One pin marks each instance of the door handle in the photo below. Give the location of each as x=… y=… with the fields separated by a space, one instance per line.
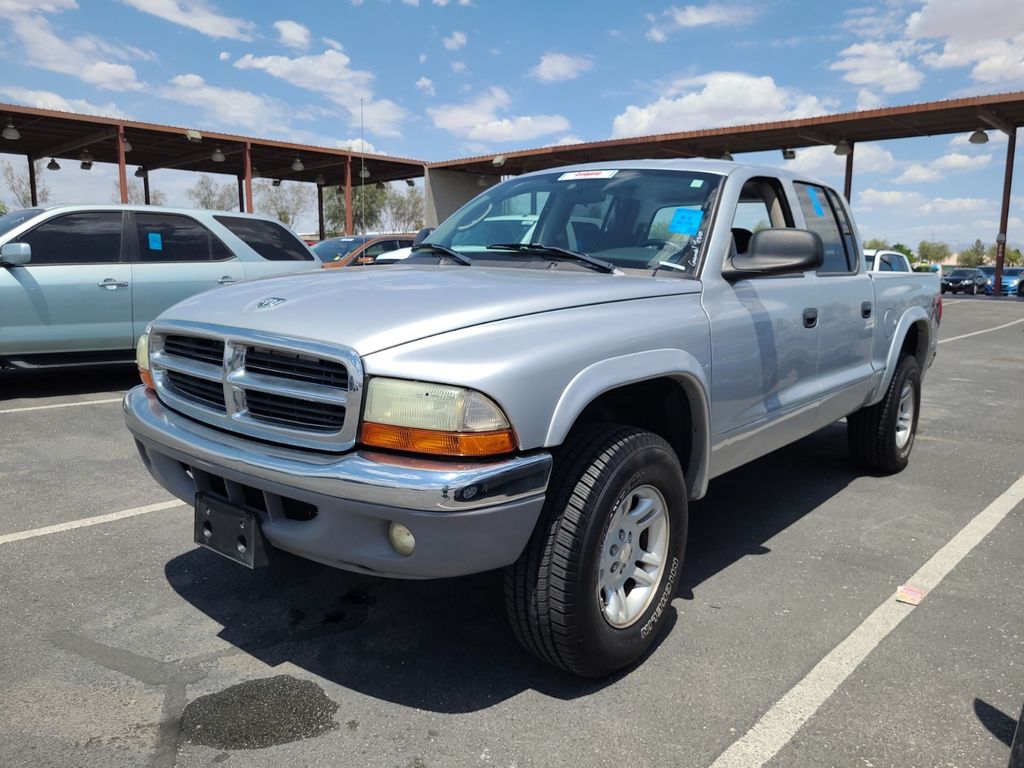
x=810 y=317
x=865 y=310
x=227 y=279
x=111 y=284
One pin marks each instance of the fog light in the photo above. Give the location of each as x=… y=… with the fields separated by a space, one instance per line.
x=401 y=539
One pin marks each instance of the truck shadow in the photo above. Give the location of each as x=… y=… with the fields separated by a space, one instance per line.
x=445 y=645
x=78 y=380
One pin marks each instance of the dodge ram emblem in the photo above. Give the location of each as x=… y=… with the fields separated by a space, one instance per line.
x=270 y=301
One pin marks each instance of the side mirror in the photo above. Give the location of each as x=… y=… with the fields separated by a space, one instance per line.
x=15 y=254
x=421 y=236
x=776 y=252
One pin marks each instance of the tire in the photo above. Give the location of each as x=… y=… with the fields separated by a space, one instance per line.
x=881 y=436
x=572 y=598
x=974 y=290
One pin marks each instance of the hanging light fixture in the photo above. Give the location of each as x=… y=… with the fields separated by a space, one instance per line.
x=297 y=165
x=498 y=160
x=789 y=154
x=10 y=132
x=53 y=165
x=320 y=180
x=256 y=173
x=410 y=183
x=275 y=183
x=364 y=173
x=978 y=137
x=85 y=156
x=127 y=146
x=217 y=156
x=140 y=172
x=86 y=165
x=843 y=148
x=727 y=155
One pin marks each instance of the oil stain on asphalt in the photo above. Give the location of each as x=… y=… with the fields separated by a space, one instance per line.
x=259 y=713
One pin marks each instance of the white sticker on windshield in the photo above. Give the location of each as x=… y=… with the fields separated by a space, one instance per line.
x=573 y=175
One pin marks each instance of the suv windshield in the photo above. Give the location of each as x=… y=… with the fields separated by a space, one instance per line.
x=631 y=219
x=10 y=220
x=962 y=273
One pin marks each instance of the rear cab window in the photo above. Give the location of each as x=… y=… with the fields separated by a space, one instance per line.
x=268 y=238
x=825 y=216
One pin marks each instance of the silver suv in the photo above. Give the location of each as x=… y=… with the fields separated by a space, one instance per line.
x=81 y=282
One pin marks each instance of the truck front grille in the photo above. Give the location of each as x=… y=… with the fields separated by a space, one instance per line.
x=282 y=390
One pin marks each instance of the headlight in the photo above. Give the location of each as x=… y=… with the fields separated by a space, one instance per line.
x=142 y=360
x=436 y=419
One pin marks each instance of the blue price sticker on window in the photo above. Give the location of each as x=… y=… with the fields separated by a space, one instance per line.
x=685 y=221
x=156 y=242
x=815 y=201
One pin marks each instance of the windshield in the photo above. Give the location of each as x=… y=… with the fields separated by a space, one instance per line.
x=1012 y=272
x=962 y=273
x=631 y=219
x=10 y=220
x=337 y=247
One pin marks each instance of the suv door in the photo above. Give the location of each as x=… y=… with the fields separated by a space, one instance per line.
x=174 y=257
x=74 y=295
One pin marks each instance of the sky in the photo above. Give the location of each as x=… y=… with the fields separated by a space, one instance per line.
x=440 y=79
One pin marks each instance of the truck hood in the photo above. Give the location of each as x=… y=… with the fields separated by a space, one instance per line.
x=370 y=309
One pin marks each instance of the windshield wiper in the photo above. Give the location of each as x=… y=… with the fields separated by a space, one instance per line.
x=459 y=257
x=551 y=251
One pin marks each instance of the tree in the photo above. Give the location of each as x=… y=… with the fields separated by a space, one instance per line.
x=367 y=206
x=19 y=187
x=3 y=208
x=932 y=252
x=876 y=243
x=403 y=210
x=1011 y=256
x=972 y=256
x=209 y=195
x=137 y=193
x=901 y=248
x=286 y=202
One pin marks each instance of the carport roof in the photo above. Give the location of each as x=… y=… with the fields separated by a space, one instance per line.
x=63 y=135
x=1002 y=111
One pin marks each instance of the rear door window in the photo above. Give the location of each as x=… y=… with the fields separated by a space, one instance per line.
x=822 y=219
x=89 y=237
x=269 y=239
x=168 y=237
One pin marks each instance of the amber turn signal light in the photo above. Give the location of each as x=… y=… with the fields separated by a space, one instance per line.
x=436 y=443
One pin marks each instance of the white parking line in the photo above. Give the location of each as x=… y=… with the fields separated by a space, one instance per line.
x=778 y=725
x=61 y=405
x=7 y=538
x=978 y=333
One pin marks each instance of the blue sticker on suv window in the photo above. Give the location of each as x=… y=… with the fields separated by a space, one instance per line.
x=685 y=221
x=813 y=194
x=156 y=242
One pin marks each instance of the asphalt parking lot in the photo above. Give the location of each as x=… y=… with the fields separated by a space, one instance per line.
x=122 y=644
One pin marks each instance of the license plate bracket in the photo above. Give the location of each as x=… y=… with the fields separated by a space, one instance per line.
x=229 y=530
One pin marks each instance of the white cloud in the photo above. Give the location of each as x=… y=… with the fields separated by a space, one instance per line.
x=196 y=15
x=411 y=2
x=426 y=85
x=717 y=99
x=868 y=100
x=224 y=56
x=357 y=145
x=887 y=199
x=292 y=34
x=480 y=120
x=458 y=67
x=85 y=57
x=455 y=41
x=567 y=140
x=987 y=37
x=331 y=43
x=879 y=65
x=556 y=67
x=423 y=58
x=331 y=75
x=957 y=205
x=823 y=161
x=227 y=106
x=689 y=16
x=440 y=2
x=50 y=100
x=918 y=173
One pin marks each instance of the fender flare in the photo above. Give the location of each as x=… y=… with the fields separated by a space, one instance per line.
x=606 y=375
x=912 y=316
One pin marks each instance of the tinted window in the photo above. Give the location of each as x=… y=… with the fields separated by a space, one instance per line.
x=886 y=264
x=269 y=239
x=169 y=237
x=10 y=220
x=77 y=238
x=821 y=219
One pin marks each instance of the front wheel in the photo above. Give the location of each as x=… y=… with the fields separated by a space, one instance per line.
x=881 y=436
x=590 y=590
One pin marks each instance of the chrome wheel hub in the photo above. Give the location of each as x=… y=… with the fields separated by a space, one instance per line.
x=633 y=555
x=905 y=416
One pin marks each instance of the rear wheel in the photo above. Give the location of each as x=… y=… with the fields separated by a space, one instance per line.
x=589 y=592
x=881 y=436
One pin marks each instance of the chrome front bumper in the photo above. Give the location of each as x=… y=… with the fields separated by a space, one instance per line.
x=467 y=517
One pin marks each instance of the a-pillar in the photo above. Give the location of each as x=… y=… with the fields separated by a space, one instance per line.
x=320 y=208
x=33 y=196
x=848 y=181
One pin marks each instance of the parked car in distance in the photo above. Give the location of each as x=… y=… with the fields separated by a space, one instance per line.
x=393 y=257
x=352 y=250
x=1011 y=282
x=881 y=260
x=964 y=280
x=79 y=283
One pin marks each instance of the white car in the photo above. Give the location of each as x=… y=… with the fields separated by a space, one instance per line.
x=881 y=260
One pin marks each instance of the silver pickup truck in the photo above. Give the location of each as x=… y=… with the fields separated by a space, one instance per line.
x=541 y=387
